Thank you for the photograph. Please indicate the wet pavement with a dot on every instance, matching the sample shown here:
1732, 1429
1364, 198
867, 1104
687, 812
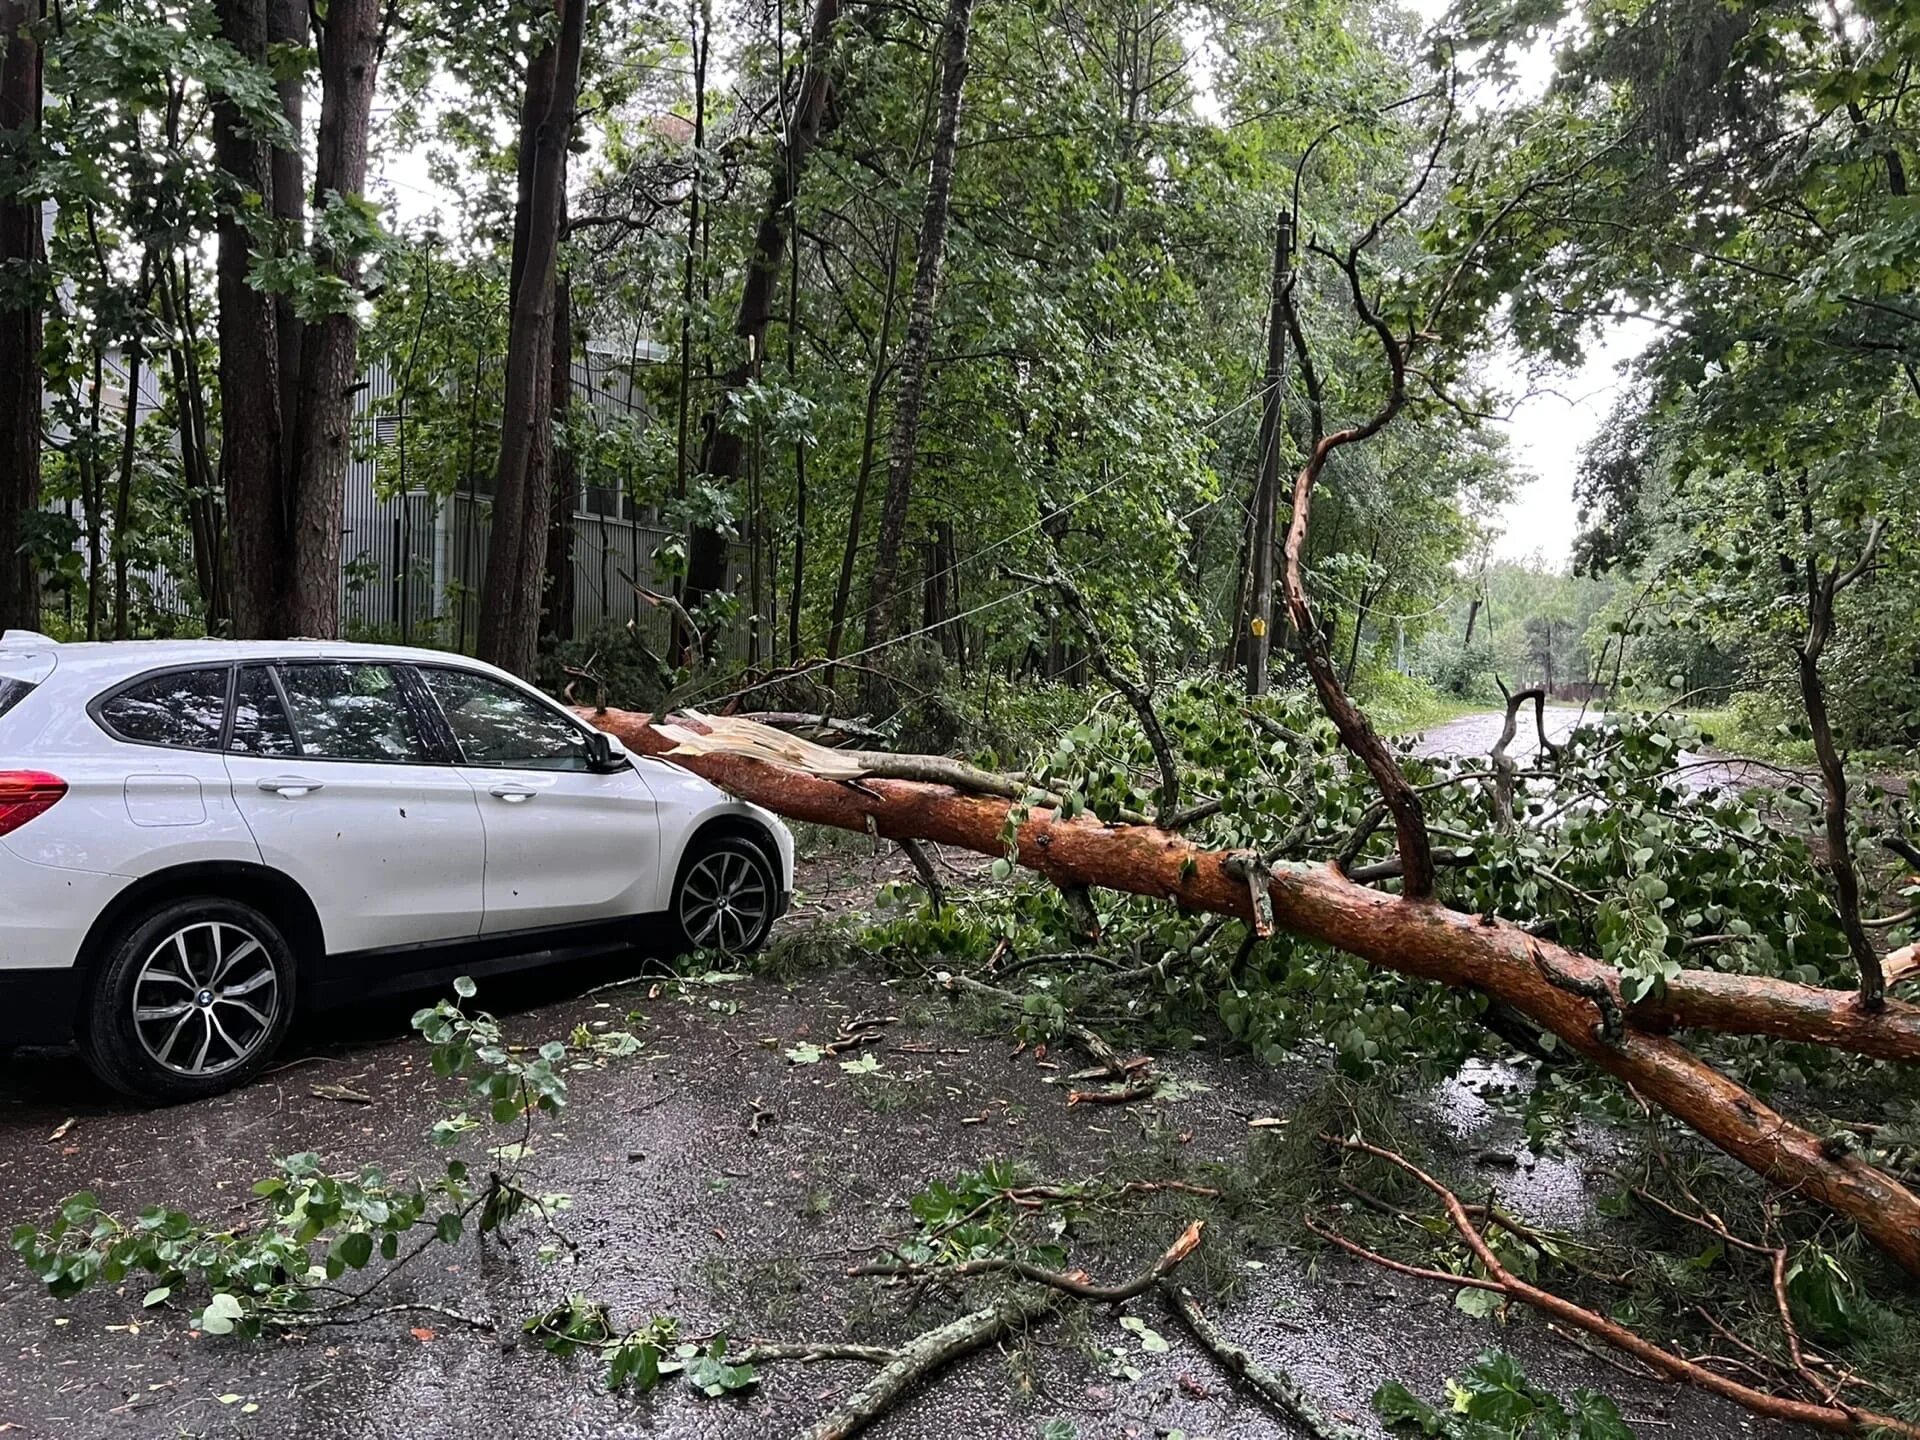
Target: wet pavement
1475, 735
716, 1181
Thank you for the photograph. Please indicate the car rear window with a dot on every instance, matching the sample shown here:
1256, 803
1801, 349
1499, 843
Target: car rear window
181, 709
12, 692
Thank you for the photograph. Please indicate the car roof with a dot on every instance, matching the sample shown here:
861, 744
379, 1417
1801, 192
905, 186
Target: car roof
102, 659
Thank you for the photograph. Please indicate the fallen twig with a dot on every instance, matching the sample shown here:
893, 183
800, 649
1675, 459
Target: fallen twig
1276, 1387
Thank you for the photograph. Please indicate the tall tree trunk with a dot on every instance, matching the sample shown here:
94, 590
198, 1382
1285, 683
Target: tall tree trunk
701, 21
523, 479
203, 513
288, 25
722, 450
869, 435
1266, 490
252, 445
123, 489
883, 621
350, 47
20, 281
557, 599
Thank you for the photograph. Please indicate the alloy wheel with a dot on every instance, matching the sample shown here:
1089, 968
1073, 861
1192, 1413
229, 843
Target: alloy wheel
206, 998
724, 902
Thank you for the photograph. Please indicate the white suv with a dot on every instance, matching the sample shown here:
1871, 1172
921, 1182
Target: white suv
196, 835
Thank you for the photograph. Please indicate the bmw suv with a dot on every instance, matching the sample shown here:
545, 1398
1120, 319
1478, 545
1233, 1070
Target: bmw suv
198, 837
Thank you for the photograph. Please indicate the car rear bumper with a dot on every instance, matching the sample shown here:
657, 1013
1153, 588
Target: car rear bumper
39, 1006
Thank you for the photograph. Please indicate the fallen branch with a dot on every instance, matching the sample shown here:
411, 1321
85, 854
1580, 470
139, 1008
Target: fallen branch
1833, 1416
1276, 1387
1076, 1283
919, 1358
1420, 939
1088, 1040
923, 867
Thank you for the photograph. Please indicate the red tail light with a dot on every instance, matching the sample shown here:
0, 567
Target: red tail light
25, 794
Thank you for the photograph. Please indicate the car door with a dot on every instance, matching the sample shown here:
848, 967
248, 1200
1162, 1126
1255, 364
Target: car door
565, 845
340, 772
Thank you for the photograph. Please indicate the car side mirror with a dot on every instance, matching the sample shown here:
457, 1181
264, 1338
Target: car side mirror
605, 754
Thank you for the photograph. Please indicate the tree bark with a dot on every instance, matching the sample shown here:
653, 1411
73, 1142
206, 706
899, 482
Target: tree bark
556, 609
1266, 490
722, 449
883, 600
869, 432
1419, 938
288, 24
350, 45
123, 487
523, 479
252, 449
20, 282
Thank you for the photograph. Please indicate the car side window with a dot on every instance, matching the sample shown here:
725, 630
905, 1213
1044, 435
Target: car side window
346, 710
260, 723
181, 709
497, 724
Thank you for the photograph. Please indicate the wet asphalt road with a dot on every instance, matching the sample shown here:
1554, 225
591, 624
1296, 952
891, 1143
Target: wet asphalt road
683, 1206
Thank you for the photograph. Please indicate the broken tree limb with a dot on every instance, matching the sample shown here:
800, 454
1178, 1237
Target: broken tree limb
1505, 768
1843, 1419
1075, 1283
923, 867
1276, 1387
1416, 938
919, 1358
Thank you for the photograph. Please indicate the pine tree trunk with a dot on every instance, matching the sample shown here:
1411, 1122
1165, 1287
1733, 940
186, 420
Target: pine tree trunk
722, 450
20, 256
883, 600
523, 479
252, 447
330, 349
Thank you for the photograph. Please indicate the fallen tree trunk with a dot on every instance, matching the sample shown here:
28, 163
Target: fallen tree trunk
1555, 988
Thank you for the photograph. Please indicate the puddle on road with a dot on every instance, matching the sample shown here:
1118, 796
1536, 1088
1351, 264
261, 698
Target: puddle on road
1551, 1189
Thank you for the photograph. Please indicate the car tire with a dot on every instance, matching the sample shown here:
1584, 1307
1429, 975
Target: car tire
191, 999
725, 898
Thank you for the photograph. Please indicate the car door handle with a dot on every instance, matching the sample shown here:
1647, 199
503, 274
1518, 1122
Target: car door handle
513, 794
291, 786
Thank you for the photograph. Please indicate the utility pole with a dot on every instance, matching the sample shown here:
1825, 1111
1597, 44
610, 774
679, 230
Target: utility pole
1266, 490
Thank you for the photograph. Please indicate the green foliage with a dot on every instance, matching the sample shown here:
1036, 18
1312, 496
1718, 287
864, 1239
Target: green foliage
318, 1226
1494, 1400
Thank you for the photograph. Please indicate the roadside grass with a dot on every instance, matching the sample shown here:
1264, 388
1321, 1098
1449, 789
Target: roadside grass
1405, 704
1740, 730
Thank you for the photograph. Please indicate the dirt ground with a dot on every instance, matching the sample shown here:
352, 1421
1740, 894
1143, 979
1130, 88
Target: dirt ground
716, 1181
